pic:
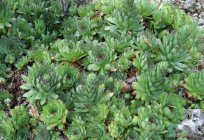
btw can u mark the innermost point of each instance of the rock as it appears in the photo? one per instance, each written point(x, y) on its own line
point(202, 15)
point(201, 2)
point(195, 15)
point(193, 125)
point(125, 87)
point(201, 21)
point(188, 4)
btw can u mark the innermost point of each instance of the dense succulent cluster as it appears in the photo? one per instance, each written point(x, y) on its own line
point(16, 127)
point(117, 69)
point(46, 81)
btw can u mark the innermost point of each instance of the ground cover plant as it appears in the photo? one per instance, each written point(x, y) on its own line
point(107, 70)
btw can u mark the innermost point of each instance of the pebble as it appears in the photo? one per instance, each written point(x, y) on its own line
point(193, 124)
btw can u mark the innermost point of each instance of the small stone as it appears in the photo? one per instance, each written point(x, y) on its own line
point(201, 21)
point(193, 124)
point(134, 93)
point(202, 26)
point(202, 15)
point(188, 4)
point(195, 15)
point(131, 80)
point(125, 87)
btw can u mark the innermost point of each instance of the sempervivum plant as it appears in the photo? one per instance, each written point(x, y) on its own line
point(179, 43)
point(123, 118)
point(150, 84)
point(54, 114)
point(170, 52)
point(20, 117)
point(91, 98)
point(90, 94)
point(115, 130)
point(69, 76)
point(43, 82)
point(6, 14)
point(119, 42)
point(76, 28)
point(7, 130)
point(126, 19)
point(194, 85)
point(23, 29)
point(95, 130)
point(21, 120)
point(100, 57)
point(67, 50)
point(149, 123)
point(77, 130)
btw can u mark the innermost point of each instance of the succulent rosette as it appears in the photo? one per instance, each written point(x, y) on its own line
point(115, 130)
point(77, 130)
point(43, 82)
point(70, 76)
point(100, 57)
point(123, 117)
point(20, 117)
point(95, 130)
point(7, 130)
point(54, 114)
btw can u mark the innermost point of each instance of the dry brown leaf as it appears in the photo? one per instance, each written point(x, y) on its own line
point(33, 111)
